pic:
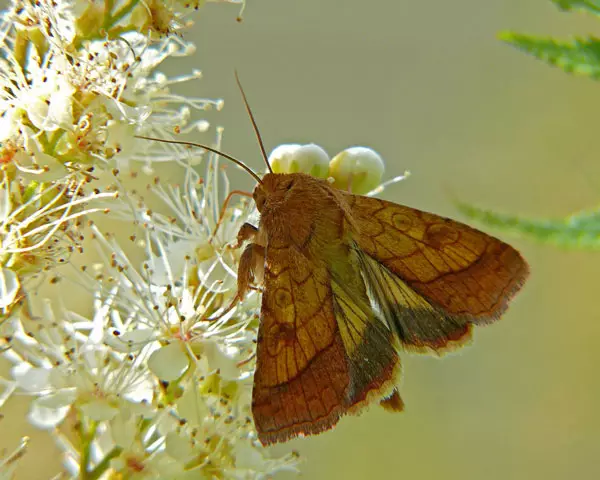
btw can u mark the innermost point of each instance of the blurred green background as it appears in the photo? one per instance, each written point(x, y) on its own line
point(429, 86)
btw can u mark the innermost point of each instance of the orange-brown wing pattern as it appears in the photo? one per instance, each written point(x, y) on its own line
point(312, 343)
point(431, 276)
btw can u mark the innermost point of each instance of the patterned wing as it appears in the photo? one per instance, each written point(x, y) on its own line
point(432, 277)
point(321, 352)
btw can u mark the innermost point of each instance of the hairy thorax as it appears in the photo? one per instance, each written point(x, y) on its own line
point(299, 210)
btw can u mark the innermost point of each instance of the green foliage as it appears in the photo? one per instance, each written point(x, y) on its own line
point(581, 230)
point(579, 56)
point(592, 6)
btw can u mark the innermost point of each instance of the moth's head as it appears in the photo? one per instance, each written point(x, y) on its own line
point(274, 188)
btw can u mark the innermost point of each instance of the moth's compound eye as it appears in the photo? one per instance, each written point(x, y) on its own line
point(259, 198)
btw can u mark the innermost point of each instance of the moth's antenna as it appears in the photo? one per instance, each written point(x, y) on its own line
point(239, 163)
point(254, 126)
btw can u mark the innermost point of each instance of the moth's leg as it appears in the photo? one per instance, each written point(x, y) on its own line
point(247, 232)
point(224, 208)
point(251, 268)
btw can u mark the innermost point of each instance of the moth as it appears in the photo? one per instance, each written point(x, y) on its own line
point(348, 282)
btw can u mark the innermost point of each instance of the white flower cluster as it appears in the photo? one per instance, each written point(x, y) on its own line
point(153, 381)
point(155, 385)
point(77, 80)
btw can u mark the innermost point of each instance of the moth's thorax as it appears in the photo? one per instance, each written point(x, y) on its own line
point(296, 207)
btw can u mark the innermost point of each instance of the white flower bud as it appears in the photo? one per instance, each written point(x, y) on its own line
point(294, 158)
point(280, 157)
point(359, 169)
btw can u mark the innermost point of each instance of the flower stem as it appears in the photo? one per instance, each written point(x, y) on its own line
point(108, 6)
point(87, 438)
point(104, 464)
point(56, 136)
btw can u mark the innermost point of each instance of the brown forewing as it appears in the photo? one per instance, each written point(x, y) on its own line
point(431, 276)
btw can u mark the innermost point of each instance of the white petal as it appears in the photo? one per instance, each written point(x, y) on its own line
point(60, 111)
point(209, 271)
point(60, 377)
point(62, 398)
point(166, 468)
point(54, 169)
point(219, 359)
point(37, 111)
point(169, 363)
point(118, 464)
point(121, 138)
point(166, 423)
point(9, 287)
point(42, 417)
point(121, 110)
point(123, 432)
point(133, 408)
point(31, 379)
point(99, 410)
point(248, 458)
point(175, 259)
point(178, 447)
point(191, 406)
